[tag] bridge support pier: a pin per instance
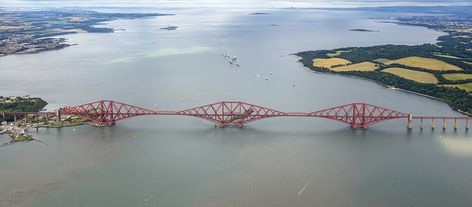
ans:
(444, 124)
(58, 115)
(14, 118)
(455, 124)
(410, 121)
(432, 123)
(467, 124)
(421, 123)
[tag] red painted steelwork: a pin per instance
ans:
(235, 113)
(106, 111)
(360, 114)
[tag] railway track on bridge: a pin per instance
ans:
(238, 113)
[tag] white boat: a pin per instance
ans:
(267, 78)
(302, 190)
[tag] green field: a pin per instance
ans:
(337, 53)
(426, 63)
(418, 76)
(329, 62)
(364, 66)
(465, 86)
(457, 76)
(447, 56)
(382, 60)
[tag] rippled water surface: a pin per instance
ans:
(178, 161)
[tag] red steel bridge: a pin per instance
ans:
(237, 113)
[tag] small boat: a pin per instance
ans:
(267, 78)
(302, 190)
(237, 64)
(270, 73)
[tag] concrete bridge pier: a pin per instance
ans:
(467, 124)
(455, 124)
(421, 123)
(58, 115)
(432, 123)
(410, 121)
(444, 124)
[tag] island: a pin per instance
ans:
(259, 13)
(442, 71)
(33, 31)
(363, 30)
(170, 27)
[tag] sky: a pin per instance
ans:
(229, 3)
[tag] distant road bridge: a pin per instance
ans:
(237, 113)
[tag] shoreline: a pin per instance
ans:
(60, 126)
(382, 84)
(457, 99)
(36, 35)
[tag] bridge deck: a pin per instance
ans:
(238, 113)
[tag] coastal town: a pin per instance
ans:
(26, 32)
(17, 124)
(16, 133)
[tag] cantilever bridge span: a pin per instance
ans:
(234, 113)
(237, 113)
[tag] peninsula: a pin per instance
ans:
(442, 71)
(362, 30)
(32, 31)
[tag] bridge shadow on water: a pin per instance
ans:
(252, 133)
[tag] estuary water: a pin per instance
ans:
(179, 161)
